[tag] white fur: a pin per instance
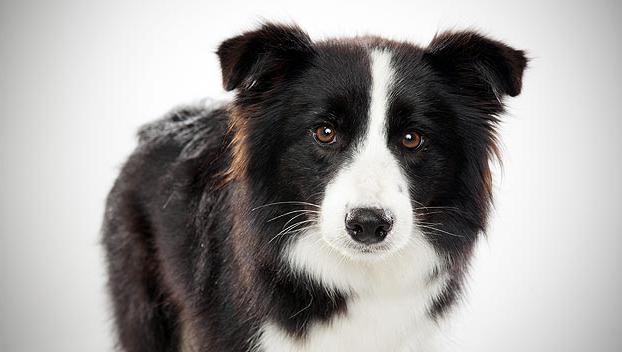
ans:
(373, 179)
(389, 291)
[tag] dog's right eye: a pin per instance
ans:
(412, 140)
(325, 135)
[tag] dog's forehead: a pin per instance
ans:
(341, 67)
(344, 66)
(341, 77)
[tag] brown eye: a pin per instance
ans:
(325, 135)
(412, 140)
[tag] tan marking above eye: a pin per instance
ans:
(412, 140)
(325, 134)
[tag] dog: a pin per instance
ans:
(332, 205)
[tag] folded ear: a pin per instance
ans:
(476, 62)
(271, 50)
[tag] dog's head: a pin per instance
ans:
(371, 145)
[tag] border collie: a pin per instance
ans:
(332, 205)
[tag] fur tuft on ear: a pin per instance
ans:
(253, 55)
(470, 57)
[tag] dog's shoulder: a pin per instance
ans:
(191, 128)
(186, 148)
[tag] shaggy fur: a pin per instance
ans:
(198, 257)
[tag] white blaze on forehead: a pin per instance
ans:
(374, 177)
(374, 174)
(381, 78)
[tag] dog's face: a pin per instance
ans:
(387, 142)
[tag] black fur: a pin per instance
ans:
(191, 253)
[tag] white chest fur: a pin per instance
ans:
(387, 308)
(371, 324)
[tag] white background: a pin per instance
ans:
(78, 77)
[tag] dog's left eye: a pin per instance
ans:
(412, 140)
(325, 135)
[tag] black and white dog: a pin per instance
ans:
(333, 205)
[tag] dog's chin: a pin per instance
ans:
(355, 251)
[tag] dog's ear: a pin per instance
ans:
(253, 56)
(479, 65)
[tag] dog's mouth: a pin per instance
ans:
(357, 251)
(371, 249)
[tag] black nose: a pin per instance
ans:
(368, 225)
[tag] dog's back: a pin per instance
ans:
(148, 221)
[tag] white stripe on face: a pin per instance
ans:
(381, 78)
(373, 179)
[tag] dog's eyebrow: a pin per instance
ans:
(326, 114)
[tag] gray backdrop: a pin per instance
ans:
(78, 77)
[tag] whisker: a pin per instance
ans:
(291, 232)
(297, 224)
(428, 223)
(416, 201)
(293, 212)
(303, 309)
(288, 202)
(291, 227)
(439, 230)
(294, 217)
(437, 207)
(428, 212)
(432, 207)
